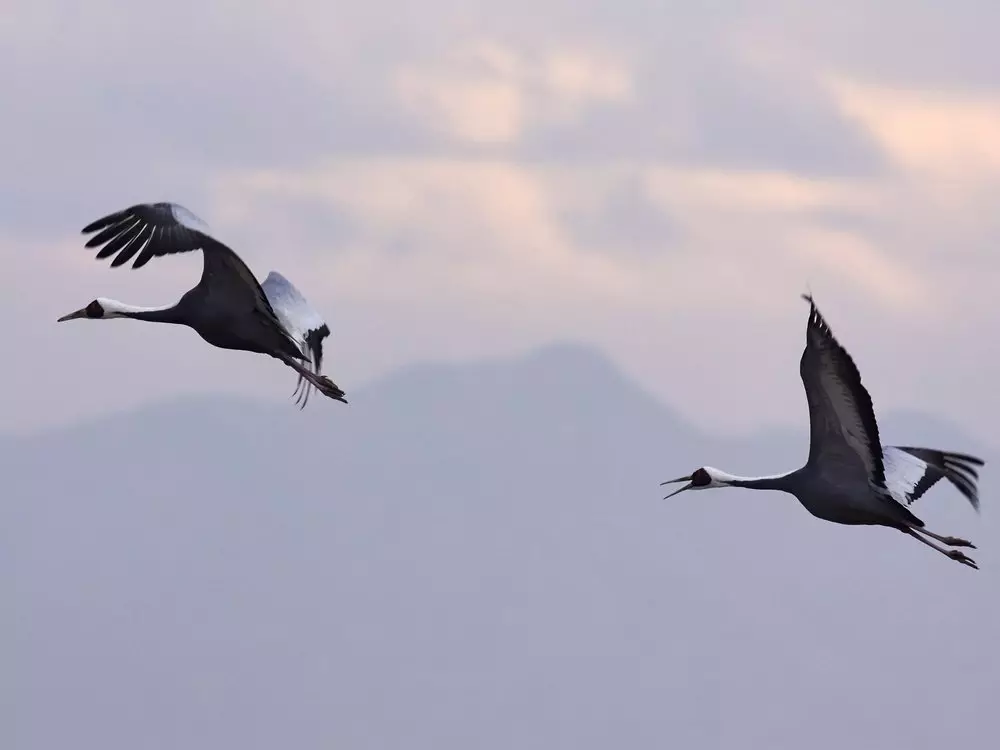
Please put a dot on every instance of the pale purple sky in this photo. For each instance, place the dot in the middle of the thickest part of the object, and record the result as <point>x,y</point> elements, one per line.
<point>453,179</point>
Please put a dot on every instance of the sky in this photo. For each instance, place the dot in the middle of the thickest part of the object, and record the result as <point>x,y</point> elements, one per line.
<point>450,180</point>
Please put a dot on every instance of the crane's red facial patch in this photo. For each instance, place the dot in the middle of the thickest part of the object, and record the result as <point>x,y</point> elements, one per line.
<point>701,478</point>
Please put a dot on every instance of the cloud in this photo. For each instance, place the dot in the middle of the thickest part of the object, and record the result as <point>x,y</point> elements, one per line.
<point>904,43</point>
<point>619,216</point>
<point>175,93</point>
<point>936,206</point>
<point>449,227</point>
<point>490,93</point>
<point>169,101</point>
<point>474,230</point>
<point>935,134</point>
<point>764,116</point>
<point>847,255</point>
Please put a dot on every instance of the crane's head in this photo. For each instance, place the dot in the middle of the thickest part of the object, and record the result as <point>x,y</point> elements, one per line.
<point>99,309</point>
<point>702,479</point>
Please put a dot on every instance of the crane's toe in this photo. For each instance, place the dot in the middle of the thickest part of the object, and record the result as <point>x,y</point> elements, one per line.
<point>954,541</point>
<point>329,388</point>
<point>961,557</point>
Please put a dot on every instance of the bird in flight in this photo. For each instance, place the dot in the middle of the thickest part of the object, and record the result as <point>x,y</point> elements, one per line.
<point>228,308</point>
<point>850,477</point>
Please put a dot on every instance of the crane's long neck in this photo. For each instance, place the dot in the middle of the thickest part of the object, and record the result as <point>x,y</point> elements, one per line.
<point>781,482</point>
<point>164,314</point>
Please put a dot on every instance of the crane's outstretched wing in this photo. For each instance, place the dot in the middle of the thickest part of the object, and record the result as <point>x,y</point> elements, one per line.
<point>843,433</point>
<point>302,323</point>
<point>910,472</point>
<point>149,230</point>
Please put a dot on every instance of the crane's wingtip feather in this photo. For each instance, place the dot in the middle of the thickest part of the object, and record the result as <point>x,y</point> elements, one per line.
<point>101,223</point>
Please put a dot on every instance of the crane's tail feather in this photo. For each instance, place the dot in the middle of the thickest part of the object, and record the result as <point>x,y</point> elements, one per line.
<point>961,469</point>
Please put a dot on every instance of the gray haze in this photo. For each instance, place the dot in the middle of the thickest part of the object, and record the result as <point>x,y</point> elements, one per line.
<point>473,557</point>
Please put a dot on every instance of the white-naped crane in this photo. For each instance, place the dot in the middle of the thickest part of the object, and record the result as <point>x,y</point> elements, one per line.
<point>228,308</point>
<point>850,477</point>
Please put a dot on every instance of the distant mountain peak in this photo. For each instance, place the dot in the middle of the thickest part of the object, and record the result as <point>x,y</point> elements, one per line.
<point>574,356</point>
<point>560,369</point>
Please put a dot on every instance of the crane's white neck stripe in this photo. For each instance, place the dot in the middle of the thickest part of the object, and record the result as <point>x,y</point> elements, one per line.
<point>115,309</point>
<point>114,306</point>
<point>725,477</point>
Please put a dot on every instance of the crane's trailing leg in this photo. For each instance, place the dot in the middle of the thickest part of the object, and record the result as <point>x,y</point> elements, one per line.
<point>954,554</point>
<point>323,384</point>
<point>951,541</point>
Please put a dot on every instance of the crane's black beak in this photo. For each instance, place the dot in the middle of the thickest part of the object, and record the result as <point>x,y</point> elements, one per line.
<point>81,313</point>
<point>674,481</point>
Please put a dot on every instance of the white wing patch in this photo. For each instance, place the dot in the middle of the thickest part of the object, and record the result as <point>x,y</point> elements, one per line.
<point>960,469</point>
<point>186,218</point>
<point>291,307</point>
<point>306,327</point>
<point>903,472</point>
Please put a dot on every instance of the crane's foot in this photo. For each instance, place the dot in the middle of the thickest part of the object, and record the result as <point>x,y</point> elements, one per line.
<point>961,557</point>
<point>954,541</point>
<point>328,388</point>
<point>322,383</point>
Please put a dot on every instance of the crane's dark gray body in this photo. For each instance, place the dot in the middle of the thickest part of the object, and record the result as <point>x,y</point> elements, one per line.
<point>228,308</point>
<point>232,317</point>
<point>850,477</point>
<point>843,500</point>
<point>840,498</point>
